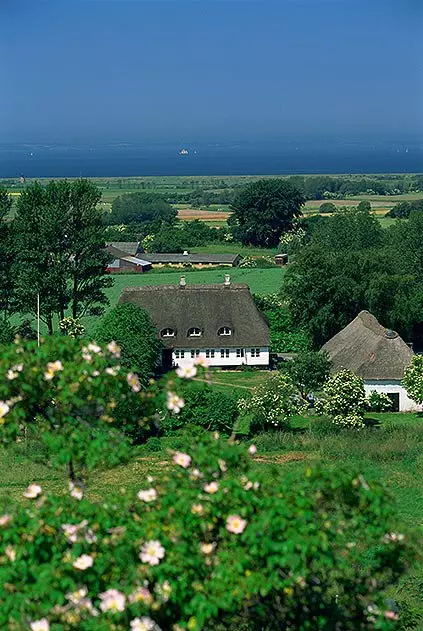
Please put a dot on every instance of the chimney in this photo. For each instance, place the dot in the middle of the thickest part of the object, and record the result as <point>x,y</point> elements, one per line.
<point>227,281</point>
<point>182,282</point>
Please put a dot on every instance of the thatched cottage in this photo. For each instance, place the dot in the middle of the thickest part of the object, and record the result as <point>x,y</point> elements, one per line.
<point>219,322</point>
<point>376,354</point>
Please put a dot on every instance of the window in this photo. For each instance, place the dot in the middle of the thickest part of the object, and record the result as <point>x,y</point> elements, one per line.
<point>167,333</point>
<point>182,354</point>
<point>209,353</point>
<point>240,352</point>
<point>212,353</point>
<point>224,352</point>
<point>195,353</point>
<point>194,332</point>
<point>255,352</point>
<point>224,330</point>
<point>176,354</point>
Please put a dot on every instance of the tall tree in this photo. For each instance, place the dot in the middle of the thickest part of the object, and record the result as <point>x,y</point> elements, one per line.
<point>264,210</point>
<point>59,249</point>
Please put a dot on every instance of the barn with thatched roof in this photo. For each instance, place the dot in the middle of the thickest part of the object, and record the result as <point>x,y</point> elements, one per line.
<point>376,354</point>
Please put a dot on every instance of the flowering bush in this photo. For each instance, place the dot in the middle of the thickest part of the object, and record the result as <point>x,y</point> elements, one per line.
<point>378,402</point>
<point>344,399</point>
<point>258,262</point>
<point>272,403</point>
<point>211,543</point>
<point>78,398</point>
<point>413,379</point>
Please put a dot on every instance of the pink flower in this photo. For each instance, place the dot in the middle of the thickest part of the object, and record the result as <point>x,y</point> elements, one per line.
<point>252,449</point>
<point>391,615</point>
<point>186,372</point>
<point>152,552</point>
<point>183,460</point>
<point>141,595</point>
<point>133,382</point>
<point>40,625</point>
<point>147,496</point>
<point>143,624</point>
<point>114,349</point>
<point>76,490</point>
<point>211,487</point>
<point>112,600</point>
<point>83,562</point>
<point>5,520</point>
<point>33,491</point>
<point>201,361</point>
<point>174,403</point>
<point>235,524</point>
<point>71,532</point>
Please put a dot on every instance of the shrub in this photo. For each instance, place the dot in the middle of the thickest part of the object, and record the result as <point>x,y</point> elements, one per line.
<point>72,327</point>
<point>131,328</point>
<point>378,402</point>
<point>309,371</point>
<point>211,544</point>
<point>262,262</point>
<point>271,404</point>
<point>204,407</point>
<point>413,379</point>
<point>327,207</point>
<point>344,399</point>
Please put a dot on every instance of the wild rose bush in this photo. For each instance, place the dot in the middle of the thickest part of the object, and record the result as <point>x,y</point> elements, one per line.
<point>272,404</point>
<point>344,400</point>
<point>208,543</point>
<point>76,396</point>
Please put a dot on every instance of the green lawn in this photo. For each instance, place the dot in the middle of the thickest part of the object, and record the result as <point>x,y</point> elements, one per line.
<point>230,248</point>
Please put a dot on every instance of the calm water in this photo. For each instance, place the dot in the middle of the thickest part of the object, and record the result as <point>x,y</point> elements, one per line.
<point>48,160</point>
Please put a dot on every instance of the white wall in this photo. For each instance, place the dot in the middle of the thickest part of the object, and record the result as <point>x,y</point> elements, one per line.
<point>232,360</point>
<point>405,403</point>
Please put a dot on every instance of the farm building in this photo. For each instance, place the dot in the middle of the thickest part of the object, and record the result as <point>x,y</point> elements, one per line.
<point>376,354</point>
<point>218,322</point>
<point>133,248</point>
<point>123,262</point>
<point>281,259</point>
<point>196,260</point>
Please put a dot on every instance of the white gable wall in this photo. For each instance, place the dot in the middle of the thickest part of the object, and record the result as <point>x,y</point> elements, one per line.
<point>386,387</point>
<point>248,356</point>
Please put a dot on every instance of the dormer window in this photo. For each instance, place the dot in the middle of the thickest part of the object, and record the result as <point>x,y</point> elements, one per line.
<point>167,333</point>
<point>224,330</point>
<point>194,332</point>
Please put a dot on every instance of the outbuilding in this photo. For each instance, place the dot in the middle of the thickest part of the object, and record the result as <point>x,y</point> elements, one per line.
<point>124,263</point>
<point>376,354</point>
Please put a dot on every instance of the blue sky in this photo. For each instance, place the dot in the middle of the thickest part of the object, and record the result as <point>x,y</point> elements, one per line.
<point>74,70</point>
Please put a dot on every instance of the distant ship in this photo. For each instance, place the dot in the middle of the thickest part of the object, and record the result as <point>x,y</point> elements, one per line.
<point>184,152</point>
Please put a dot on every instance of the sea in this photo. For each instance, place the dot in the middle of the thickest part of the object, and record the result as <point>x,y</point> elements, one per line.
<point>129,159</point>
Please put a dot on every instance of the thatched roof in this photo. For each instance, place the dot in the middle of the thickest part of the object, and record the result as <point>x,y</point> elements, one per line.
<point>208,307</point>
<point>369,350</point>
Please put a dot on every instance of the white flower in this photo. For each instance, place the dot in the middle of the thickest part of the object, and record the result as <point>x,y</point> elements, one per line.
<point>197,509</point>
<point>5,520</point>
<point>10,553</point>
<point>163,591</point>
<point>76,597</point>
<point>94,348</point>
<point>113,371</point>
<point>114,349</point>
<point>174,403</point>
<point>152,552</point>
<point>183,460</point>
<point>186,372</point>
<point>133,382</point>
<point>252,449</point>
<point>33,491</point>
<point>52,368</point>
<point>40,625</point>
<point>71,532</point>
<point>83,562</point>
<point>143,624</point>
<point>141,595</point>
<point>196,474</point>
<point>86,355</point>
<point>4,409</point>
<point>76,490</point>
<point>112,600</point>
<point>235,524</point>
<point>207,548</point>
<point>211,487</point>
<point>149,495</point>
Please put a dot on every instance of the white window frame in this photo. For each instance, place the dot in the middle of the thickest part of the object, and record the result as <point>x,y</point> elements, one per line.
<point>192,331</point>
<point>255,352</point>
<point>240,352</point>
<point>195,352</point>
<point>176,354</point>
<point>165,332</point>
<point>224,330</point>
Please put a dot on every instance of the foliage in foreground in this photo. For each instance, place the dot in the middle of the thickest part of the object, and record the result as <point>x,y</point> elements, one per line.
<point>208,544</point>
